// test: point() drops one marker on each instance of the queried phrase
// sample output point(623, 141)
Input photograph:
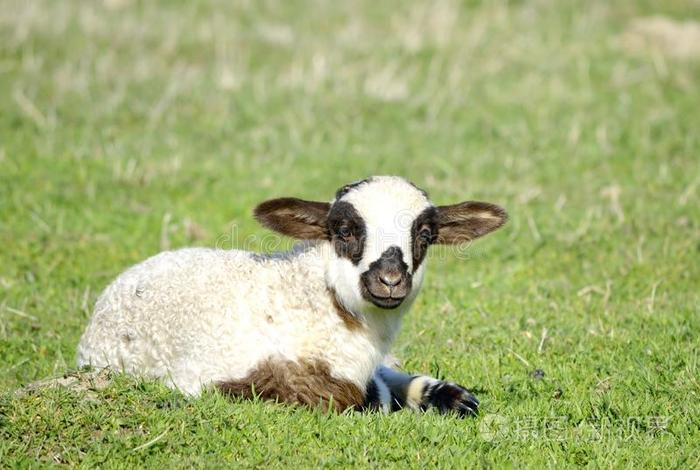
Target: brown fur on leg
point(307, 382)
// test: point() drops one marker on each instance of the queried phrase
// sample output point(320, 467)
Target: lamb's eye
point(344, 232)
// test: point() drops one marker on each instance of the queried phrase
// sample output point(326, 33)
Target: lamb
point(312, 326)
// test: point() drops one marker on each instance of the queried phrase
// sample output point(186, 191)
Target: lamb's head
point(378, 232)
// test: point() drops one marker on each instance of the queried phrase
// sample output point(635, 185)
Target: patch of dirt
point(674, 39)
point(85, 382)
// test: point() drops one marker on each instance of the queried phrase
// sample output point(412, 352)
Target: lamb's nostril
point(390, 279)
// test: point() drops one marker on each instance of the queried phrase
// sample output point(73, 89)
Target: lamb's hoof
point(448, 397)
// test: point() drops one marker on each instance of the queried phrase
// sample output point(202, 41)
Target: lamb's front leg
point(419, 392)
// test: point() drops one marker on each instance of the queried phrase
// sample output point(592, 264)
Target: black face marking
point(348, 187)
point(387, 281)
point(424, 232)
point(347, 231)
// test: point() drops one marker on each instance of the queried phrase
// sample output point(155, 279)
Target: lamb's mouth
point(384, 302)
point(388, 298)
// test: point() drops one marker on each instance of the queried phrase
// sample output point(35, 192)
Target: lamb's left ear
point(468, 220)
point(296, 218)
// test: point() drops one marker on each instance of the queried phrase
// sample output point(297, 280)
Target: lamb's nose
point(390, 279)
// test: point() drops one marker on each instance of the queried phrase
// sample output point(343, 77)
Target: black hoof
point(448, 397)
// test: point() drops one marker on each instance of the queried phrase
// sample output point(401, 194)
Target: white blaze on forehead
point(388, 205)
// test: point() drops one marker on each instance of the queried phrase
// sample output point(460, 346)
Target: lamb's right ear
point(296, 218)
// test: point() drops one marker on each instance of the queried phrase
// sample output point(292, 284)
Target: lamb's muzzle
point(310, 326)
point(387, 282)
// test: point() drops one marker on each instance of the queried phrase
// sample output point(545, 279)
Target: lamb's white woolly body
point(311, 326)
point(199, 316)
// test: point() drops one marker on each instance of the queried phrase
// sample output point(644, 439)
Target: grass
point(131, 127)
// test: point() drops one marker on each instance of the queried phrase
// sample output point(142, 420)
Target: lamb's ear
point(296, 218)
point(468, 220)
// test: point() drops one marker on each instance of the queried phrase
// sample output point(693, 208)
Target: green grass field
point(129, 127)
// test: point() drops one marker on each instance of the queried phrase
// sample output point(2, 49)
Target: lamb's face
point(379, 231)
